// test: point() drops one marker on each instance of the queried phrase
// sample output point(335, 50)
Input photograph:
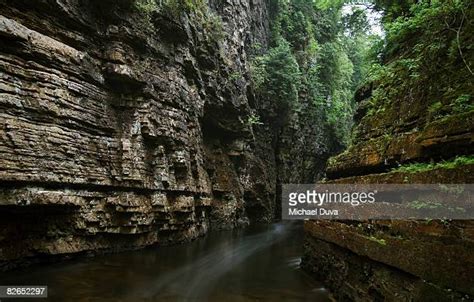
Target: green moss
point(433, 205)
point(421, 167)
point(463, 103)
point(234, 76)
point(377, 240)
point(146, 8)
point(332, 161)
point(435, 108)
point(176, 7)
point(426, 67)
point(418, 205)
point(210, 22)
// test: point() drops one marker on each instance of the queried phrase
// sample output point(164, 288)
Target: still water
point(259, 263)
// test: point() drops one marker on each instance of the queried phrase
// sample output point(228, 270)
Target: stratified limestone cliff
point(123, 128)
point(404, 260)
point(395, 260)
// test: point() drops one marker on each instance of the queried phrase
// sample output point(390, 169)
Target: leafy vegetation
point(176, 7)
point(210, 22)
point(433, 205)
point(377, 240)
point(146, 7)
point(422, 167)
point(277, 75)
point(427, 59)
point(420, 204)
point(317, 53)
point(254, 119)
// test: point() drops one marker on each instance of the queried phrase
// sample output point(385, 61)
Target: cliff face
point(122, 128)
point(421, 121)
point(397, 260)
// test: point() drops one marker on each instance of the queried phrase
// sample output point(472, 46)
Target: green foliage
point(176, 7)
point(173, 7)
point(146, 7)
point(258, 72)
point(254, 119)
point(276, 75)
point(210, 22)
point(356, 22)
point(423, 167)
point(394, 9)
point(428, 57)
point(292, 24)
point(234, 76)
point(377, 240)
point(463, 103)
point(343, 62)
point(420, 204)
point(316, 53)
point(328, 4)
point(434, 110)
point(335, 87)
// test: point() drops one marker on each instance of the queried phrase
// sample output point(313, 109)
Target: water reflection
point(260, 263)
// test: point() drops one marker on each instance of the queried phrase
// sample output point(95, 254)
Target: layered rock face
point(122, 128)
point(403, 260)
point(396, 260)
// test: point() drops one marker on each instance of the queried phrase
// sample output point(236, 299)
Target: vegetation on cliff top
point(420, 79)
point(176, 7)
point(428, 58)
point(209, 21)
point(318, 52)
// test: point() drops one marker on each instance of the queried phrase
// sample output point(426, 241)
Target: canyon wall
point(132, 123)
point(123, 127)
point(412, 128)
point(396, 260)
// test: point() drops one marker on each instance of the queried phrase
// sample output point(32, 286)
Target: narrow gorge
point(123, 128)
point(133, 124)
